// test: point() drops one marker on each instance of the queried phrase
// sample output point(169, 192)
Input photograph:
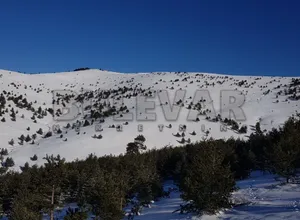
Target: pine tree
point(11, 142)
point(53, 176)
point(34, 158)
point(40, 131)
point(104, 197)
point(257, 128)
point(4, 152)
point(208, 182)
point(140, 138)
point(9, 162)
point(284, 156)
point(25, 167)
point(86, 123)
point(132, 148)
point(22, 207)
point(28, 138)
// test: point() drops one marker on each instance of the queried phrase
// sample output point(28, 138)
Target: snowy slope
point(260, 105)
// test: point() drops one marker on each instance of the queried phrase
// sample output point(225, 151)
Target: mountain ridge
point(269, 100)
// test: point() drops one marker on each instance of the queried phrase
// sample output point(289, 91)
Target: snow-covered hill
point(268, 100)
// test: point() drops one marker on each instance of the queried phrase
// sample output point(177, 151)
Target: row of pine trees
point(205, 173)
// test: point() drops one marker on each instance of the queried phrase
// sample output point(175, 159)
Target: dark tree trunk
point(52, 205)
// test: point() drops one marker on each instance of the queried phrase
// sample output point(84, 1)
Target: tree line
point(205, 173)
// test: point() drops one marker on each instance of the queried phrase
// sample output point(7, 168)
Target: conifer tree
point(25, 206)
point(208, 182)
point(104, 197)
point(284, 156)
point(53, 177)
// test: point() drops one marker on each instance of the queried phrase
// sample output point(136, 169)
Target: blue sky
point(251, 37)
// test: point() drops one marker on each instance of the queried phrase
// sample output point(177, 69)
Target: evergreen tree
point(208, 182)
point(22, 207)
point(284, 156)
point(4, 152)
point(140, 138)
point(9, 162)
point(53, 177)
point(40, 131)
point(132, 148)
point(34, 158)
point(28, 138)
point(104, 197)
point(11, 142)
point(257, 128)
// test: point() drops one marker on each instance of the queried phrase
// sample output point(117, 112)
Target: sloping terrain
point(30, 102)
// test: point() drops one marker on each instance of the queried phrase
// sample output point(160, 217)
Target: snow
point(267, 197)
point(257, 107)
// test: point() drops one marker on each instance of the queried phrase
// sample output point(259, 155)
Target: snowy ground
point(259, 105)
point(267, 197)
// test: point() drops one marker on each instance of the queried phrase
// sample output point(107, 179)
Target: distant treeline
point(81, 69)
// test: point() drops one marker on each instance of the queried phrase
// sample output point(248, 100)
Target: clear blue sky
point(227, 36)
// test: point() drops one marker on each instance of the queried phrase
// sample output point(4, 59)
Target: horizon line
point(142, 72)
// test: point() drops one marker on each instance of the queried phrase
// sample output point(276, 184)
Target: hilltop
point(29, 97)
